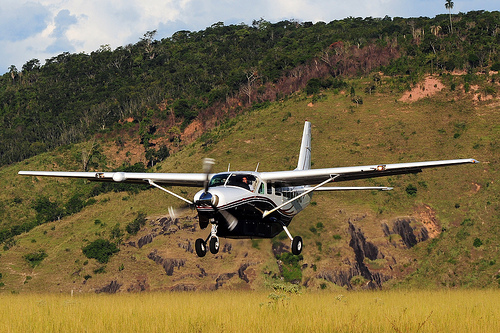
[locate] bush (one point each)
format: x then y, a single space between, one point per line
411 190
101 250
134 226
477 242
35 258
291 268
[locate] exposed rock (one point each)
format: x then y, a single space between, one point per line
140 285
222 278
183 287
279 248
410 236
241 272
203 273
402 227
111 288
145 240
168 264
187 246
227 248
361 247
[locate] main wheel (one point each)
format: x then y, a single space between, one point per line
214 245
201 247
297 245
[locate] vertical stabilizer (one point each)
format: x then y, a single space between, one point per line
305 149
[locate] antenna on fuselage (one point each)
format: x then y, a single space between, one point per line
257 168
228 166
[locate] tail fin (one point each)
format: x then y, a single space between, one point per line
305 149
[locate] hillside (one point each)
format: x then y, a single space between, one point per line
352 240
165 83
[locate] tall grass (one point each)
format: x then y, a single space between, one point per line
388 311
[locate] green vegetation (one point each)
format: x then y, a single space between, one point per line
74 96
35 258
291 270
134 226
101 250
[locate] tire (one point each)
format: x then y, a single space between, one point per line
214 245
297 245
200 247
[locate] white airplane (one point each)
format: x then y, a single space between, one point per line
252 204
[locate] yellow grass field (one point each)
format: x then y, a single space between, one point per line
380 311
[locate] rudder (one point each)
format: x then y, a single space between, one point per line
304 162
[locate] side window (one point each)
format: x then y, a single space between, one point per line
262 188
269 190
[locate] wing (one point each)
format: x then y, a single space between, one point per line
168 179
315 176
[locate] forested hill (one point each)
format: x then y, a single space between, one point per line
215 73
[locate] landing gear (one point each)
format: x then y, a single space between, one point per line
297 243
214 244
201 247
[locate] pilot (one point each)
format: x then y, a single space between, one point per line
246 184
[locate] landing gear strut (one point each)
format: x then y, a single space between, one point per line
297 243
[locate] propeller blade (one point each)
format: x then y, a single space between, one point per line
230 219
208 164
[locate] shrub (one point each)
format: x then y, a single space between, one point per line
100 249
291 268
35 258
477 242
134 226
411 190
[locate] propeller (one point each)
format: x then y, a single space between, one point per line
208 199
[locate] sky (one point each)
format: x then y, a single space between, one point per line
31 29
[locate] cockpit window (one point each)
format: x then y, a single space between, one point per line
218 180
245 181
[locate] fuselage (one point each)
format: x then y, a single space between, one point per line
236 202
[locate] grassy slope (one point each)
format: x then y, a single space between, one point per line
382 130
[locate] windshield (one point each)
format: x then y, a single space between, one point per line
245 181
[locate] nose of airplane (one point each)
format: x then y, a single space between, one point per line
208 199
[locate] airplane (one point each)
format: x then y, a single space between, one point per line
254 204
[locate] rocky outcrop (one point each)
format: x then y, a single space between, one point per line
183 287
410 235
223 278
141 284
111 288
168 264
362 249
145 240
279 248
187 246
241 272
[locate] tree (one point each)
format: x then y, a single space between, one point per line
449 5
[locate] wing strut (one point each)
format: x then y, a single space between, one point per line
332 177
152 183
